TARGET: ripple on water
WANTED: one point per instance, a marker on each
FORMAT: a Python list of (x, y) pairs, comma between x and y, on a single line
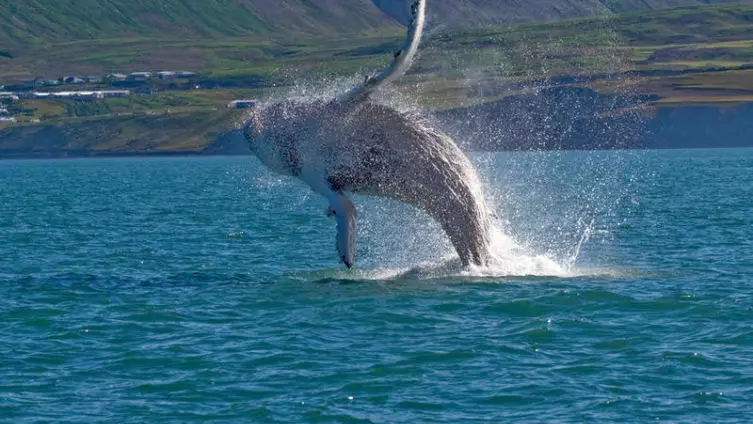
[(166, 291)]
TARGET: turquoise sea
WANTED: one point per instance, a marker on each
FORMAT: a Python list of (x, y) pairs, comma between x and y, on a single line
[(194, 290)]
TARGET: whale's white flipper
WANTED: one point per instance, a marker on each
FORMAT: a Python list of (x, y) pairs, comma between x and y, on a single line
[(403, 57), (342, 208), (345, 214)]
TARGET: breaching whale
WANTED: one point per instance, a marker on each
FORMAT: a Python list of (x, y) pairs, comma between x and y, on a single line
[(353, 145)]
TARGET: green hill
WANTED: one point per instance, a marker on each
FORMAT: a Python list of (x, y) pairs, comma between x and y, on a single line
[(675, 57), (275, 45), (34, 22), (39, 22)]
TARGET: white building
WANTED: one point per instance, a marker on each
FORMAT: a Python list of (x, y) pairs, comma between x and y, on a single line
[(139, 76), (87, 95), (167, 75), (81, 95), (73, 80), (115, 93)]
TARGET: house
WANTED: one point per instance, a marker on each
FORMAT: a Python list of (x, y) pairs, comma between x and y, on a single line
[(73, 80), (117, 77), (81, 95), (186, 74), (242, 104), (167, 75), (115, 93), (139, 76), (3, 110), (93, 79), (8, 95), (87, 95)]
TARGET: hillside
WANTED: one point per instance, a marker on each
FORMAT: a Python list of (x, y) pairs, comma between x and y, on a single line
[(39, 22), (474, 13), (676, 58), (34, 22)]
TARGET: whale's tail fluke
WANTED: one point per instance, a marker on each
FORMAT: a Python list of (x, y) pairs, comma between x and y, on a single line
[(403, 57)]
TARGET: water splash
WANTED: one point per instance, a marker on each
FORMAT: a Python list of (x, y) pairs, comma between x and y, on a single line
[(513, 252), (583, 239), (508, 256), (511, 259)]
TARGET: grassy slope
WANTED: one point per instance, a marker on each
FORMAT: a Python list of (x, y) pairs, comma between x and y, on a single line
[(254, 39), (34, 22), (674, 39), (54, 38), (656, 28), (37, 22), (720, 36)]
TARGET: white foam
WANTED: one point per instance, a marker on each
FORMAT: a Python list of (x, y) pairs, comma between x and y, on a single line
[(510, 259)]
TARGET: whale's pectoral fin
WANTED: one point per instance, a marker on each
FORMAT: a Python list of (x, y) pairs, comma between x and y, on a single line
[(341, 207), (401, 62), (345, 214)]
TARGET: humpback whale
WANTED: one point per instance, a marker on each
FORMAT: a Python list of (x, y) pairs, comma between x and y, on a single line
[(351, 144)]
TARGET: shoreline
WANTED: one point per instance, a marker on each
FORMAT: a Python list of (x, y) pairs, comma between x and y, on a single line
[(577, 119)]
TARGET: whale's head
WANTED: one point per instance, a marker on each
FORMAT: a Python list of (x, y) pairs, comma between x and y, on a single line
[(252, 128), (272, 137)]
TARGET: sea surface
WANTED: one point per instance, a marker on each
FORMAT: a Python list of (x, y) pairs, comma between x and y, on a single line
[(195, 290)]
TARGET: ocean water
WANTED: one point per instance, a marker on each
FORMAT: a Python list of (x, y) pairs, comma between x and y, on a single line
[(193, 290)]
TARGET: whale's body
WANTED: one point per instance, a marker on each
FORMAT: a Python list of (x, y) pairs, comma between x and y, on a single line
[(354, 145)]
